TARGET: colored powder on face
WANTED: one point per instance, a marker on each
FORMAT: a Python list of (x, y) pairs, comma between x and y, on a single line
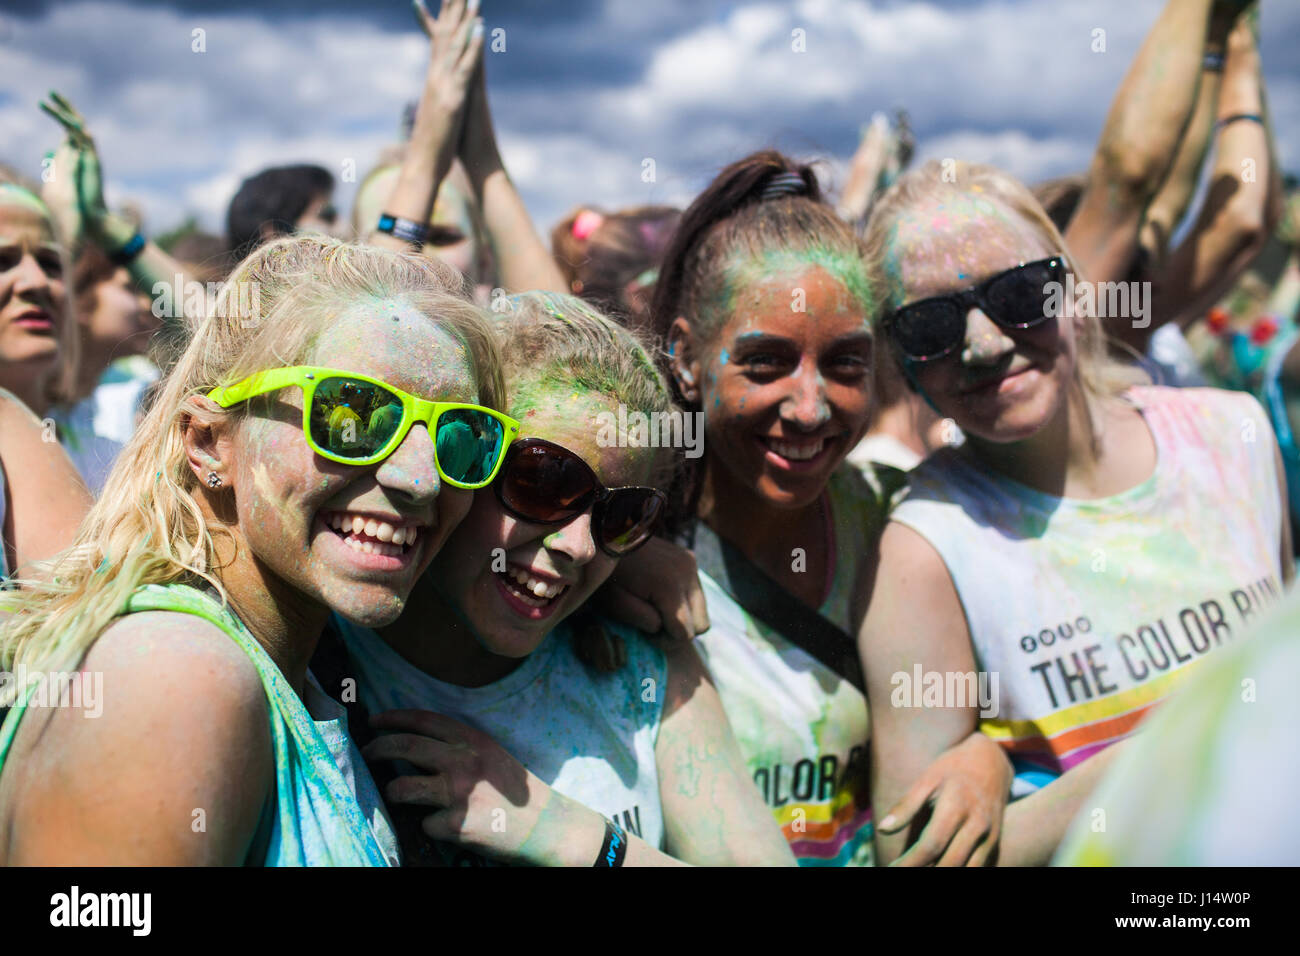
[(974, 223), (742, 274)]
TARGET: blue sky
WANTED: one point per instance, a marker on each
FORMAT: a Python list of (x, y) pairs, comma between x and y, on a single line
[(584, 91)]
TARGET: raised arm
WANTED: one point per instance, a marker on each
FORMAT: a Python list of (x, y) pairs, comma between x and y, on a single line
[(455, 45), (523, 260), (1244, 201), (77, 161), (1138, 141), (1166, 210), (46, 498), (865, 169)]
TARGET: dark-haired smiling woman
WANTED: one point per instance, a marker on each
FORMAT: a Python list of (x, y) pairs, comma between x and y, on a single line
[(764, 306), (1091, 539)]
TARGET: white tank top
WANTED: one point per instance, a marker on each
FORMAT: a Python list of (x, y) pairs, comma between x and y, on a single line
[(590, 736), (802, 728), (1088, 611)]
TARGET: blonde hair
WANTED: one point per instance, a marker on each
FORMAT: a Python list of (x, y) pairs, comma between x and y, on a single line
[(1099, 374), (147, 527), (550, 340)]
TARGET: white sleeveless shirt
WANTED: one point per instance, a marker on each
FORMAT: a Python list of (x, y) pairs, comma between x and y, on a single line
[(802, 728), (590, 736), (1089, 611)]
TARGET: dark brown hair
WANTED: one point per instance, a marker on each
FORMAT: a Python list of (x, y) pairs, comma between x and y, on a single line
[(731, 225), (761, 205)]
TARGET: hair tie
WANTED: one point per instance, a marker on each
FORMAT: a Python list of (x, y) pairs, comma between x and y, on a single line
[(784, 184), (585, 223)]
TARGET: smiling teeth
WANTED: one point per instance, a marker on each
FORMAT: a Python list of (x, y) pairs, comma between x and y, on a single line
[(797, 452), (542, 590), (371, 536)]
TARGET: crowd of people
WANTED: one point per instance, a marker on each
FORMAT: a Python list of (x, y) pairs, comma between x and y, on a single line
[(351, 534)]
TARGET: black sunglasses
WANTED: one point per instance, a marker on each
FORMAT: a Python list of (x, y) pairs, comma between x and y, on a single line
[(1014, 299), (544, 483)]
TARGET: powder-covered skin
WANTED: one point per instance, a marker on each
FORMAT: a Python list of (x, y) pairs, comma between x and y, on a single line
[(947, 246), (744, 273), (293, 549), (776, 373), (1117, 596), (939, 242), (466, 571)]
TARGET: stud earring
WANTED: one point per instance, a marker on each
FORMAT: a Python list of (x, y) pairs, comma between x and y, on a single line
[(214, 480)]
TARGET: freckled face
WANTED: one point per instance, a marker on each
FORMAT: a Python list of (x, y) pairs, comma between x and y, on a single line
[(1002, 385), (32, 291), (786, 394), (507, 616), (287, 495)]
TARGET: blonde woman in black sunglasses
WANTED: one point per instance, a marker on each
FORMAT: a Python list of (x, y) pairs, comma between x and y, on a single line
[(1091, 538), (510, 748)]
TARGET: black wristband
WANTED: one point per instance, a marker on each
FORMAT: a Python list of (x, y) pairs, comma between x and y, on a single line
[(408, 230), (126, 255), (614, 848), (1212, 62)]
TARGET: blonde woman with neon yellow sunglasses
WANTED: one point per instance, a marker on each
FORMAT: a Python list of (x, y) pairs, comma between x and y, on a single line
[(232, 525)]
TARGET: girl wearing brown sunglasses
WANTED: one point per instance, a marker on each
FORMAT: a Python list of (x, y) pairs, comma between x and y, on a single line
[(521, 752)]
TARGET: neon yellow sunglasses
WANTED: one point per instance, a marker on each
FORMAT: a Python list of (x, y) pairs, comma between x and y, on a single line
[(358, 420)]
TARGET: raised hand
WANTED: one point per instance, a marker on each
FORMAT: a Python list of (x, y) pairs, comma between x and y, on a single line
[(455, 44), (455, 50), (78, 159)]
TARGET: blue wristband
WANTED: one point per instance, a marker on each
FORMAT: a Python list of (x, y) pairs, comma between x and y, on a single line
[(126, 255)]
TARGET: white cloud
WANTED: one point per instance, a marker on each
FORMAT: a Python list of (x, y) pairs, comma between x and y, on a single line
[(1006, 81), (1027, 158)]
